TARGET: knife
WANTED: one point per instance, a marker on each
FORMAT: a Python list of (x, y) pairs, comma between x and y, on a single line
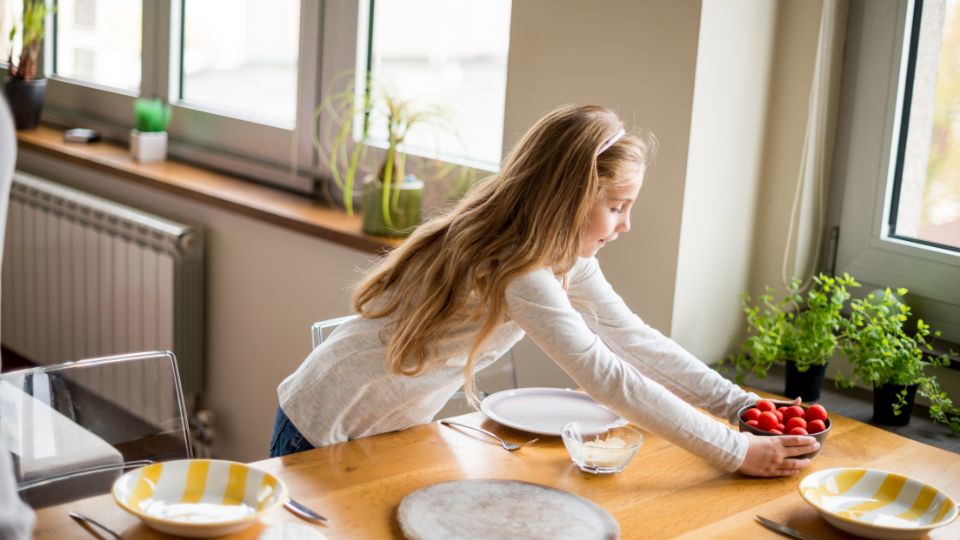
[(783, 529), (302, 511)]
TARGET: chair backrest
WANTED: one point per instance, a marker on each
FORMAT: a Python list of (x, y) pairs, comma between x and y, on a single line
[(320, 330), (501, 375), (73, 428)]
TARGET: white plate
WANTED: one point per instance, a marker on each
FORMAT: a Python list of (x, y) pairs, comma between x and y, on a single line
[(502, 509), (545, 410)]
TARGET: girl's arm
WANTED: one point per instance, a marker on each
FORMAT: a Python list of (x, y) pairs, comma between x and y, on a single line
[(540, 306), (649, 351)]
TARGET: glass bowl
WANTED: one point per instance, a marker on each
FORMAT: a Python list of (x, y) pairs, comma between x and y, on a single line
[(600, 448)]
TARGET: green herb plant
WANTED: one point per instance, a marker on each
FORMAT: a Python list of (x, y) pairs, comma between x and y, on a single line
[(151, 115), (34, 17), (882, 351), (802, 327)]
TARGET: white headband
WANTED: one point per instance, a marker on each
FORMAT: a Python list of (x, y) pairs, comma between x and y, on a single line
[(611, 141)]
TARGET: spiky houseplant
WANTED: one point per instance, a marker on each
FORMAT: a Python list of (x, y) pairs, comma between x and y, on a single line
[(34, 16), (25, 90), (364, 134)]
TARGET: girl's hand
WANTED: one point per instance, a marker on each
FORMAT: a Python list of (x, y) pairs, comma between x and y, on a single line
[(776, 456)]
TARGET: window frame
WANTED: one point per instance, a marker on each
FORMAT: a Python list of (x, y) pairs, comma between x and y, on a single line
[(281, 156), (284, 157), (868, 135)]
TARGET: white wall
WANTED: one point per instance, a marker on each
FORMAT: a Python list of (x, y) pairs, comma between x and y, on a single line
[(734, 64)]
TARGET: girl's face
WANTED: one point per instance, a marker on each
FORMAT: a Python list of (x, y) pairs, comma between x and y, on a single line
[(609, 218)]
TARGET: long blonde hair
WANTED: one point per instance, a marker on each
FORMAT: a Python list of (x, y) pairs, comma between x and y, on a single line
[(455, 268)]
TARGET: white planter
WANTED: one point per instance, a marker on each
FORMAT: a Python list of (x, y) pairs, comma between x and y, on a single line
[(147, 146)]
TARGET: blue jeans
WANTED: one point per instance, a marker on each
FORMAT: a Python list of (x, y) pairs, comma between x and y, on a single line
[(286, 439)]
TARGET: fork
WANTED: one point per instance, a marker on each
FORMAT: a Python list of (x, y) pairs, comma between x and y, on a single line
[(86, 521), (506, 445)]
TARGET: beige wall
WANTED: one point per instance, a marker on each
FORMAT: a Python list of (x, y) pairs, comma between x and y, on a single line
[(638, 58)]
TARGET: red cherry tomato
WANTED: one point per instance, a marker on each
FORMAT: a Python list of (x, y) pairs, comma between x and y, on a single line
[(779, 415), (765, 405), (793, 410), (796, 422), (776, 432), (816, 426), (816, 412), (797, 431), (753, 423), (767, 421), (783, 409), (781, 427), (751, 414)]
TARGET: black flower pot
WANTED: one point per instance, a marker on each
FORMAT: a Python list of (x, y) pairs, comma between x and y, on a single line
[(884, 397), (26, 101), (805, 384)]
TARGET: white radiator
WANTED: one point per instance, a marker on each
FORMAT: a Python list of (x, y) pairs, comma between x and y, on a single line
[(85, 277)]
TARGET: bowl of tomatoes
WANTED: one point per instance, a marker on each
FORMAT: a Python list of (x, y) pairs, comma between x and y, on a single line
[(773, 418)]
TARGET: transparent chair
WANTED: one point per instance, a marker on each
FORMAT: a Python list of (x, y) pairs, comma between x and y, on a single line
[(73, 428), (502, 375)]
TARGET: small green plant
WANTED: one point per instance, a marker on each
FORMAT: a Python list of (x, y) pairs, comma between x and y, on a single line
[(150, 115), (373, 118), (882, 351), (34, 18), (802, 327)]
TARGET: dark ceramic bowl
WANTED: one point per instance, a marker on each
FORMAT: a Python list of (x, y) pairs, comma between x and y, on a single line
[(820, 437)]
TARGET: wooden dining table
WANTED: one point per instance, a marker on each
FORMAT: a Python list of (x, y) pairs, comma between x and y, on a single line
[(666, 492)]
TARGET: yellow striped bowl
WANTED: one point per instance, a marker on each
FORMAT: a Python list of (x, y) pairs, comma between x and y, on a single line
[(877, 504), (198, 497)]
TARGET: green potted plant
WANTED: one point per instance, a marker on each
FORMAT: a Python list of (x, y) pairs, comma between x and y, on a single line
[(148, 138), (801, 331), (885, 355), (364, 141), (25, 90)]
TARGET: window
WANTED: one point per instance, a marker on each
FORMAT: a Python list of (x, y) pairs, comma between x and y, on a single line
[(241, 58), (98, 41), (244, 77), (926, 192), (9, 14), (895, 186), (454, 54)]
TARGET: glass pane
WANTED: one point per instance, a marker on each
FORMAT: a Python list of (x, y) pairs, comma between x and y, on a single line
[(98, 41), (928, 207), (241, 57), (10, 11), (452, 54)]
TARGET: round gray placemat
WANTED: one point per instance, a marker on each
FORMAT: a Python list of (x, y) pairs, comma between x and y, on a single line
[(507, 509)]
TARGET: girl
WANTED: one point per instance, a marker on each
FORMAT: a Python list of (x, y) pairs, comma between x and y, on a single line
[(516, 257)]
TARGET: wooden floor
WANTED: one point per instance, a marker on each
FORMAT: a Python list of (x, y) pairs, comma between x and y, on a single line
[(857, 403)]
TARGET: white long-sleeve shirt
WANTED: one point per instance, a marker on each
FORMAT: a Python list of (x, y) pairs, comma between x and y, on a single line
[(345, 389)]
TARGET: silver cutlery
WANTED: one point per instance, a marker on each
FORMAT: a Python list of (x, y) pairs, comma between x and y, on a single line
[(86, 521), (302, 511), (783, 529), (506, 445)]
